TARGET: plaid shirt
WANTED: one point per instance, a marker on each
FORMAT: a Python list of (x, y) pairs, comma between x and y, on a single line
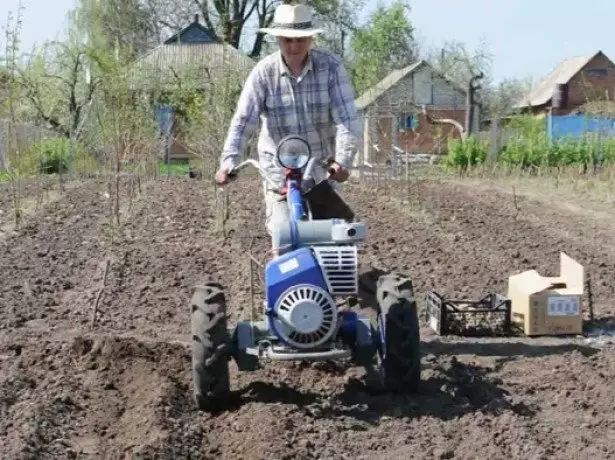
[(318, 105)]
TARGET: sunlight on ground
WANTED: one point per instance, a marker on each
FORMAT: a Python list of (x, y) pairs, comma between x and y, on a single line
[(570, 190)]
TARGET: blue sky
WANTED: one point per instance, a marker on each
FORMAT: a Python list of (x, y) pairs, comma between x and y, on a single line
[(526, 37)]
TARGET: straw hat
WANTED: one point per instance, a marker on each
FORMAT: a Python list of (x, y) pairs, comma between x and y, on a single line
[(292, 21)]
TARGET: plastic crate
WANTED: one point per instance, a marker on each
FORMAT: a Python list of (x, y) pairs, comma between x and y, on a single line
[(489, 316)]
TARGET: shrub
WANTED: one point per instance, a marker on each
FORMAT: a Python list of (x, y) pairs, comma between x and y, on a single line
[(462, 155), (526, 153), (53, 156), (532, 148)]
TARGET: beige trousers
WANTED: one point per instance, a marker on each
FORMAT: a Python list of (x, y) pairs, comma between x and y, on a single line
[(276, 207)]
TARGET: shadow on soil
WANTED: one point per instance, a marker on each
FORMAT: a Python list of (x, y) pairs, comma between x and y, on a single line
[(504, 349), (606, 323), (448, 390)]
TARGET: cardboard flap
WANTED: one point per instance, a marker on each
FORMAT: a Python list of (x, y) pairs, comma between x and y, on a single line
[(530, 282), (570, 280), (572, 273)]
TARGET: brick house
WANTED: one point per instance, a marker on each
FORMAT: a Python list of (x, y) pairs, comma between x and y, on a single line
[(391, 116), (574, 83)]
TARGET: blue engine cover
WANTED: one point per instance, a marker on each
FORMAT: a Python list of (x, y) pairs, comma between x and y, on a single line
[(293, 268)]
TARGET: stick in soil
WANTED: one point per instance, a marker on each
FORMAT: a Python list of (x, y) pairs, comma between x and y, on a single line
[(99, 294), (514, 195)]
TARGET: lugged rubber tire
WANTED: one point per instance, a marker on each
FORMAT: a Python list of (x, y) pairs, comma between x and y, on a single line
[(210, 354), (401, 363)]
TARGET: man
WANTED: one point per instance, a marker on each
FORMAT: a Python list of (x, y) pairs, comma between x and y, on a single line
[(297, 90)]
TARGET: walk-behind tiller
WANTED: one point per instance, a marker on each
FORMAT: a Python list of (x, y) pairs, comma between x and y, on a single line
[(317, 263)]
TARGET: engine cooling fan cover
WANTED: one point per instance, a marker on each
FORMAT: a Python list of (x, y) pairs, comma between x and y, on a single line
[(305, 316)]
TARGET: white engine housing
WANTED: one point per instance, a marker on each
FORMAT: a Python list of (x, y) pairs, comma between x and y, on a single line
[(305, 316), (340, 268)]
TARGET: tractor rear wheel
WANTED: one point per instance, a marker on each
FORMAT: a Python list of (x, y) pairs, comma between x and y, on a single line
[(210, 354), (398, 329)]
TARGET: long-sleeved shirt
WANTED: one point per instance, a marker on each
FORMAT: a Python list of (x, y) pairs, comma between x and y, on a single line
[(318, 105)]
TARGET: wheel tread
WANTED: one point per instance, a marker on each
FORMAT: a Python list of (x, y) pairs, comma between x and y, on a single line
[(210, 347), (397, 305)]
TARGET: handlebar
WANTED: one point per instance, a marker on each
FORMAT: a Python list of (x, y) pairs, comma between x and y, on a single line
[(232, 174)]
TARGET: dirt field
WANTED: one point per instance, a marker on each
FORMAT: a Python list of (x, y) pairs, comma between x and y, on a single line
[(122, 389), (33, 194)]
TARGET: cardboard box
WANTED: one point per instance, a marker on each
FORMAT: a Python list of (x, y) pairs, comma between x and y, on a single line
[(544, 305)]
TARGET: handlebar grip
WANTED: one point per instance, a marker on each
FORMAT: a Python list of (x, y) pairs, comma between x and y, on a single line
[(232, 174), (327, 163)]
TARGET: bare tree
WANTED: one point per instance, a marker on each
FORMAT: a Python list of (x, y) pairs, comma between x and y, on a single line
[(58, 86), (226, 20), (462, 66)]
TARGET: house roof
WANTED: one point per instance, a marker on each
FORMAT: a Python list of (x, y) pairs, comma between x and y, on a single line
[(543, 92), (194, 33), (192, 57), (192, 64), (375, 92)]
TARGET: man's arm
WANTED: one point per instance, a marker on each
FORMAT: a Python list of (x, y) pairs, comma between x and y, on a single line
[(345, 117), (244, 120)]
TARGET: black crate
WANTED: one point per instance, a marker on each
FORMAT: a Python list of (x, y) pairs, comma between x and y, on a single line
[(488, 316)]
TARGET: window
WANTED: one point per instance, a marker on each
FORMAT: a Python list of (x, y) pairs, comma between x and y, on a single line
[(596, 72), (408, 121)]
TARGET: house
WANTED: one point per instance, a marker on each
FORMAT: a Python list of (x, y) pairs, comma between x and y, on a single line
[(392, 116), (571, 85), (191, 59)]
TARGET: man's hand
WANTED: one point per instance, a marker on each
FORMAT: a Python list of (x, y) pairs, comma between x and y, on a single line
[(222, 177), (338, 173)]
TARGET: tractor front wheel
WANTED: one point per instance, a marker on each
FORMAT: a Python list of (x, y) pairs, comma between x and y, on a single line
[(210, 354), (398, 330)]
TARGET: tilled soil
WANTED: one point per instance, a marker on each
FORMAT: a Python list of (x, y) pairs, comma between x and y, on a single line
[(120, 386), (31, 194)]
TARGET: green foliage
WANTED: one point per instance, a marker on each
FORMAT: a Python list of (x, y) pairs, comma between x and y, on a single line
[(462, 155), (53, 156), (542, 153), (127, 27), (5, 79), (59, 155), (386, 43), (205, 114), (531, 148), (177, 168)]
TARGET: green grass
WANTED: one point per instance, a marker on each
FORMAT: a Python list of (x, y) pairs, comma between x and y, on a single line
[(177, 168)]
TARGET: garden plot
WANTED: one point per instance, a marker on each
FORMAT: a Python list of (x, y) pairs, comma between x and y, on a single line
[(32, 196), (123, 387)]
